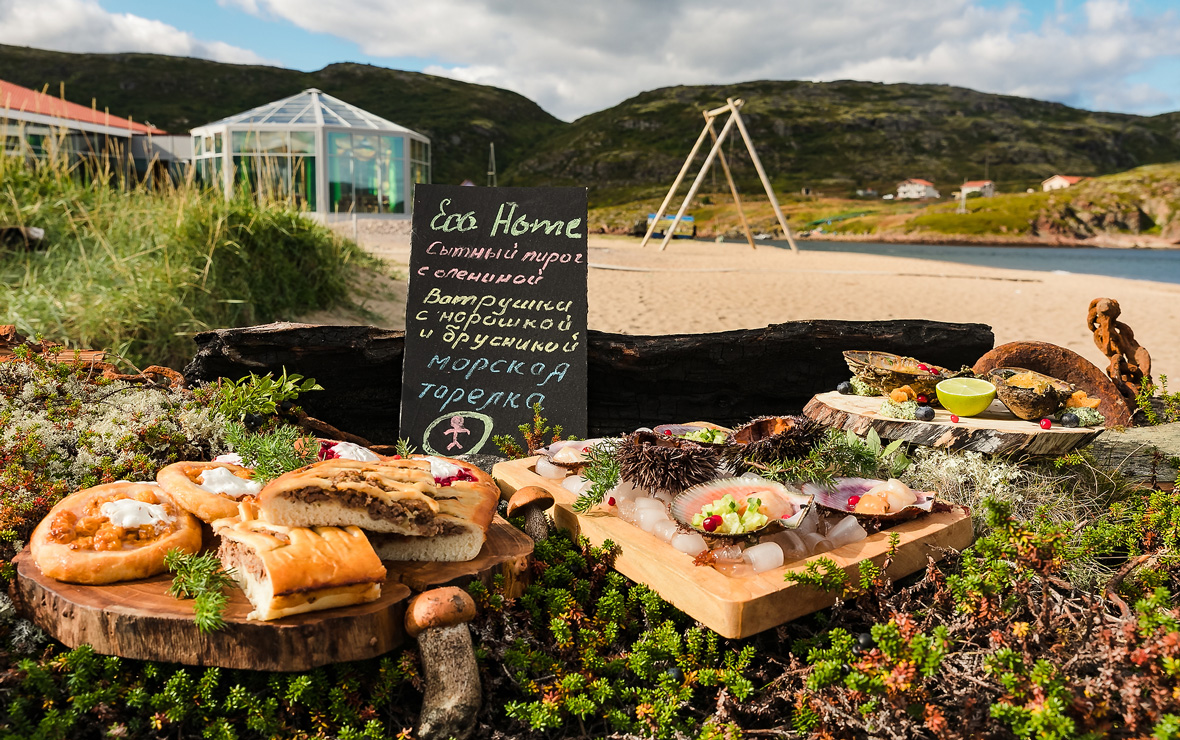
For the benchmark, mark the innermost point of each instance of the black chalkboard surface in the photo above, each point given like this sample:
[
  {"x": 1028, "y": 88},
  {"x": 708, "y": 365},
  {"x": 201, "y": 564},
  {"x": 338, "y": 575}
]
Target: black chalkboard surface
[{"x": 495, "y": 316}]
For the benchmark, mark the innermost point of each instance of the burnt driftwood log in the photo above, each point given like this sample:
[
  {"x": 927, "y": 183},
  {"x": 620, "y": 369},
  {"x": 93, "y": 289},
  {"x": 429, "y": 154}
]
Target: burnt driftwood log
[{"x": 724, "y": 377}]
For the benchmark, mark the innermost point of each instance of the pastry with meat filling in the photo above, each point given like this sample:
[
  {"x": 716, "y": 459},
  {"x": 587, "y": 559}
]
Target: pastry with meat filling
[
  {"x": 419, "y": 508},
  {"x": 292, "y": 570},
  {"x": 110, "y": 533}
]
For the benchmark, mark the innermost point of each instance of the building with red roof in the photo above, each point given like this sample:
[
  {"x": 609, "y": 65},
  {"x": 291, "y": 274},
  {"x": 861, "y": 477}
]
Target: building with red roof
[
  {"x": 35, "y": 124},
  {"x": 916, "y": 188},
  {"x": 1060, "y": 182},
  {"x": 985, "y": 188}
]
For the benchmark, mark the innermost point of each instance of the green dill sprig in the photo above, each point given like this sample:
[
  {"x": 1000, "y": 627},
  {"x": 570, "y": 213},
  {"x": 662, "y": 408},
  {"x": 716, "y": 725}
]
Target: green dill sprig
[
  {"x": 271, "y": 453},
  {"x": 202, "y": 579},
  {"x": 602, "y": 470}
]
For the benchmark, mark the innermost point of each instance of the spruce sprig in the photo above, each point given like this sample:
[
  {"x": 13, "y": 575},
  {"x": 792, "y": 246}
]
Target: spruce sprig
[
  {"x": 404, "y": 448},
  {"x": 271, "y": 453},
  {"x": 602, "y": 470},
  {"x": 202, "y": 579}
]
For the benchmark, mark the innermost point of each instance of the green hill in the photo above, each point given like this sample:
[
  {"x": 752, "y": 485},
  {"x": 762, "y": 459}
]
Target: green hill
[
  {"x": 839, "y": 136},
  {"x": 834, "y": 137},
  {"x": 178, "y": 93}
]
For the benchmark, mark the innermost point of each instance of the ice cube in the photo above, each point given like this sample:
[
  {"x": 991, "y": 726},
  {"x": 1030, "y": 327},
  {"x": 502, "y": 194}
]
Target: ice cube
[
  {"x": 576, "y": 484},
  {"x": 664, "y": 530},
  {"x": 764, "y": 556},
  {"x": 846, "y": 531},
  {"x": 691, "y": 543},
  {"x": 627, "y": 511},
  {"x": 646, "y": 519}
]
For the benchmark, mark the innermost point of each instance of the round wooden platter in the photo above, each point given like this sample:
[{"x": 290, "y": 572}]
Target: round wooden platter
[
  {"x": 997, "y": 431},
  {"x": 139, "y": 620}
]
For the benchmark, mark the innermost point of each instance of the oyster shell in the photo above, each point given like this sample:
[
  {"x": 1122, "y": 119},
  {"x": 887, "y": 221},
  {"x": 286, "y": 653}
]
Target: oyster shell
[
  {"x": 679, "y": 430},
  {"x": 780, "y": 503},
  {"x": 568, "y": 453},
  {"x": 837, "y": 499},
  {"x": 1045, "y": 398},
  {"x": 885, "y": 371}
]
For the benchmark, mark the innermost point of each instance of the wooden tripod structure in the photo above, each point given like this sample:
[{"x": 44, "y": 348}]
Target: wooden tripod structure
[{"x": 731, "y": 107}]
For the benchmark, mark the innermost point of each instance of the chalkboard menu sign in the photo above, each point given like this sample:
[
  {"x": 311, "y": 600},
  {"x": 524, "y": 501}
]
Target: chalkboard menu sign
[{"x": 495, "y": 316}]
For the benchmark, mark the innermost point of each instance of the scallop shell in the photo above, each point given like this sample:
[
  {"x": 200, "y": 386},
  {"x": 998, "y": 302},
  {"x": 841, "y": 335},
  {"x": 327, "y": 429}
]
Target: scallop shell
[
  {"x": 679, "y": 429},
  {"x": 689, "y": 503},
  {"x": 846, "y": 488},
  {"x": 578, "y": 446}
]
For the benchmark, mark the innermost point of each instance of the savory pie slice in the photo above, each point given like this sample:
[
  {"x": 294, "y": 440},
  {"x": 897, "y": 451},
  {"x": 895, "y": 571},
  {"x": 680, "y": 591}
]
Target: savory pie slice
[
  {"x": 292, "y": 570},
  {"x": 110, "y": 533},
  {"x": 419, "y": 508},
  {"x": 209, "y": 490}
]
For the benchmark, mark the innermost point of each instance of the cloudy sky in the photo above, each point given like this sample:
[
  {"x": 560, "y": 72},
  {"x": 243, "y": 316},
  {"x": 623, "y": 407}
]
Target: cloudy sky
[{"x": 576, "y": 57}]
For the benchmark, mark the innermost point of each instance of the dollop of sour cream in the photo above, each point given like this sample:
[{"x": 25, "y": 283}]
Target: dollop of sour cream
[
  {"x": 441, "y": 469},
  {"x": 129, "y": 513},
  {"x": 229, "y": 457},
  {"x": 223, "y": 481},
  {"x": 349, "y": 451}
]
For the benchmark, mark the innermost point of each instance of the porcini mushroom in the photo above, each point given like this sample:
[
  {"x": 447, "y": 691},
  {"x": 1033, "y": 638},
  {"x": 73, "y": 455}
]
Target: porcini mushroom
[
  {"x": 438, "y": 619},
  {"x": 532, "y": 502}
]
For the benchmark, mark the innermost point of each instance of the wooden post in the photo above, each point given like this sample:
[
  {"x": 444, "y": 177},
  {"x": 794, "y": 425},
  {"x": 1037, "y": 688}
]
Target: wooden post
[
  {"x": 696, "y": 184},
  {"x": 782, "y": 220},
  {"x": 672, "y": 191},
  {"x": 737, "y": 201}
]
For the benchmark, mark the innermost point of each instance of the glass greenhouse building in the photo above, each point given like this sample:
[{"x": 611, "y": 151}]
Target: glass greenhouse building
[{"x": 316, "y": 152}]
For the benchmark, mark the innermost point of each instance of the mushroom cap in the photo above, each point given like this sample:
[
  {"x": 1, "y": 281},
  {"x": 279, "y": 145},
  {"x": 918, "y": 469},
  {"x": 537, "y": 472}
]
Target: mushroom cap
[
  {"x": 529, "y": 496},
  {"x": 439, "y": 607}
]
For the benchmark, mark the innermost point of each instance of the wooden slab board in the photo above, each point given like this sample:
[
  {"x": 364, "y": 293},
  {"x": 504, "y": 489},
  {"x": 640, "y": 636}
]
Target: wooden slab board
[
  {"x": 997, "y": 431},
  {"x": 736, "y": 607},
  {"x": 139, "y": 620}
]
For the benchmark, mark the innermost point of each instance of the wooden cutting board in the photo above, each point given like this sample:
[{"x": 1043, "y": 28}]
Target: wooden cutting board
[
  {"x": 140, "y": 620},
  {"x": 997, "y": 431},
  {"x": 737, "y": 607}
]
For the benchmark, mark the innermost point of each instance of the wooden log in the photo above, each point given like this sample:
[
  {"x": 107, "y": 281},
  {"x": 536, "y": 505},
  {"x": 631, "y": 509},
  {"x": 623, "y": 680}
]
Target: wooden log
[
  {"x": 724, "y": 377},
  {"x": 997, "y": 431}
]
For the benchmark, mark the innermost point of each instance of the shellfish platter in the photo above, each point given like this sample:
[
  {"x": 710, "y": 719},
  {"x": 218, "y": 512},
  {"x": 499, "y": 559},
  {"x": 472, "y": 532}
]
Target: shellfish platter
[
  {"x": 995, "y": 431},
  {"x": 733, "y": 596}
]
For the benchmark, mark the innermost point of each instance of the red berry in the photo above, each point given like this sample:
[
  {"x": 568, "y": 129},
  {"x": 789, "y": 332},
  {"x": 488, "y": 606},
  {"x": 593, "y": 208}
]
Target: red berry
[
  {"x": 923, "y": 368},
  {"x": 934, "y": 371},
  {"x": 711, "y": 523},
  {"x": 853, "y": 501},
  {"x": 667, "y": 432},
  {"x": 954, "y": 419},
  {"x": 923, "y": 400},
  {"x": 610, "y": 501},
  {"x": 1046, "y": 424}
]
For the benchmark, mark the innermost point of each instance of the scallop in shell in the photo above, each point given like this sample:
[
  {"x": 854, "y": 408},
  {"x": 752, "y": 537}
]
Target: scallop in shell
[
  {"x": 893, "y": 501},
  {"x": 780, "y": 503},
  {"x": 569, "y": 454},
  {"x": 679, "y": 430}
]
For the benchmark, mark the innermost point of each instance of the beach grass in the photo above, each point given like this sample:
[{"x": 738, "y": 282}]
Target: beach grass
[{"x": 139, "y": 270}]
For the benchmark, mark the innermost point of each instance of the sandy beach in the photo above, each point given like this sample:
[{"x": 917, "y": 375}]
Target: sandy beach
[{"x": 697, "y": 287}]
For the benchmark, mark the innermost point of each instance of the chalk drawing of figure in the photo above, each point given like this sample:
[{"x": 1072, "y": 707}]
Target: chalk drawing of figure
[{"x": 456, "y": 429}]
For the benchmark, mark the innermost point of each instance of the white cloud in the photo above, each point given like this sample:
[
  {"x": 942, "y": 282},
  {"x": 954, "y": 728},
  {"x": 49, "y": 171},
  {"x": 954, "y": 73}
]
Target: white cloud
[
  {"x": 575, "y": 58},
  {"x": 84, "y": 26}
]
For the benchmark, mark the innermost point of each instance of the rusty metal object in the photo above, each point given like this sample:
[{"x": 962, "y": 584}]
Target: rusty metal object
[
  {"x": 1062, "y": 364},
  {"x": 1129, "y": 362}
]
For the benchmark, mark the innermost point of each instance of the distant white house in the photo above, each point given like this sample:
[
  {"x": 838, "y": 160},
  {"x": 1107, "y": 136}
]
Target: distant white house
[
  {"x": 1060, "y": 182},
  {"x": 915, "y": 188},
  {"x": 985, "y": 188}
]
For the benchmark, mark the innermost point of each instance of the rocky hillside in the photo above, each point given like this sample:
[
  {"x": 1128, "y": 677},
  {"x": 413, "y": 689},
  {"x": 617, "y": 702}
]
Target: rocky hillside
[
  {"x": 178, "y": 93},
  {"x": 833, "y": 137},
  {"x": 839, "y": 136}
]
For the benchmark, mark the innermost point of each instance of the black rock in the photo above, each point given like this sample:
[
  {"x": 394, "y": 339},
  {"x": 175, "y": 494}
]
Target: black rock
[{"x": 845, "y": 388}]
